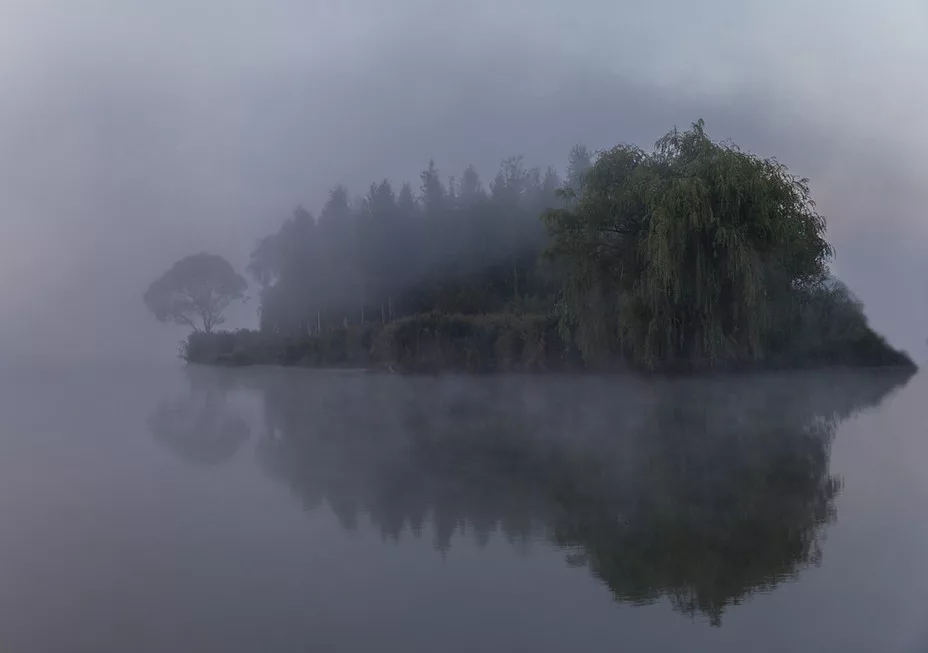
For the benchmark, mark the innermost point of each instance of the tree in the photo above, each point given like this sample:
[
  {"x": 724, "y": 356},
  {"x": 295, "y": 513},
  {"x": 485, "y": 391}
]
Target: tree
[
  {"x": 682, "y": 256},
  {"x": 406, "y": 200},
  {"x": 274, "y": 252},
  {"x": 470, "y": 189},
  {"x": 196, "y": 290},
  {"x": 579, "y": 161},
  {"x": 453, "y": 246},
  {"x": 433, "y": 192}
]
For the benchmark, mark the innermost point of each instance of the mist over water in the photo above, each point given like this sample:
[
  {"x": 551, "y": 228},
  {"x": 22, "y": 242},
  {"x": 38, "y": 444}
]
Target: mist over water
[
  {"x": 227, "y": 511},
  {"x": 147, "y": 507}
]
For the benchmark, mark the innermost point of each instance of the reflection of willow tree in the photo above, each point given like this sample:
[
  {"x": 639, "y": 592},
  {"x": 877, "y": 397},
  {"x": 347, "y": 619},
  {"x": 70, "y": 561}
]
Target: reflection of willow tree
[
  {"x": 703, "y": 492},
  {"x": 714, "y": 508},
  {"x": 199, "y": 426}
]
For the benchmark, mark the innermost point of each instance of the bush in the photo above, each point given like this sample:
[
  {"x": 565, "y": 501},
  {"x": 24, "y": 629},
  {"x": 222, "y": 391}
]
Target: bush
[
  {"x": 337, "y": 348},
  {"x": 234, "y": 348},
  {"x": 434, "y": 342},
  {"x": 826, "y": 326},
  {"x": 826, "y": 331},
  {"x": 430, "y": 342}
]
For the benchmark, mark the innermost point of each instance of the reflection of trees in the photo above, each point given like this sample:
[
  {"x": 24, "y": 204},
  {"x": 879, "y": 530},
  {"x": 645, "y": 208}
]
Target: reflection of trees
[
  {"x": 199, "y": 426},
  {"x": 703, "y": 492}
]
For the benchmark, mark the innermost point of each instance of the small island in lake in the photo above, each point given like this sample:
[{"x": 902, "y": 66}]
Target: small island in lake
[{"x": 694, "y": 256}]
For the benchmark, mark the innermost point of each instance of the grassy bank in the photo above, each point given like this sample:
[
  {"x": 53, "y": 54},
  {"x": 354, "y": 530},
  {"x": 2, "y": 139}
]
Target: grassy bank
[
  {"x": 429, "y": 342},
  {"x": 434, "y": 342}
]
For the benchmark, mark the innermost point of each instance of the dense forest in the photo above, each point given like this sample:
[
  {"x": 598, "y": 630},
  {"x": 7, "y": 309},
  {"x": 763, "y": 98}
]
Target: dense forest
[
  {"x": 694, "y": 255},
  {"x": 454, "y": 247}
]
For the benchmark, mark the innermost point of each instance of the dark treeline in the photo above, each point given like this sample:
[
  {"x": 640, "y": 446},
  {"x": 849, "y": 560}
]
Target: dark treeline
[
  {"x": 455, "y": 245},
  {"x": 702, "y": 492},
  {"x": 695, "y": 255}
]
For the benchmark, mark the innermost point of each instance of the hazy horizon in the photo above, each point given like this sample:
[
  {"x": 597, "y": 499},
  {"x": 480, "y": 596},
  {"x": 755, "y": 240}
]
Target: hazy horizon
[{"x": 132, "y": 134}]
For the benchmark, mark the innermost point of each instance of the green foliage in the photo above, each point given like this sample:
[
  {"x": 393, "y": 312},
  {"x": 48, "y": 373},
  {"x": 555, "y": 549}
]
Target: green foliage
[
  {"x": 473, "y": 343},
  {"x": 230, "y": 348},
  {"x": 429, "y": 342},
  {"x": 698, "y": 255},
  {"x": 693, "y": 256},
  {"x": 825, "y": 325},
  {"x": 195, "y": 292},
  {"x": 349, "y": 347}
]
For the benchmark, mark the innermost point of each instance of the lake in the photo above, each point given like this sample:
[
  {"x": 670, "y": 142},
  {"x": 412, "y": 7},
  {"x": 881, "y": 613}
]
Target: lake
[{"x": 161, "y": 508}]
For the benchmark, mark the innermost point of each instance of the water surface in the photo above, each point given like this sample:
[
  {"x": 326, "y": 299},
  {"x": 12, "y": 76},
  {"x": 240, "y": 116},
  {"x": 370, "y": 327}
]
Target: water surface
[{"x": 171, "y": 509}]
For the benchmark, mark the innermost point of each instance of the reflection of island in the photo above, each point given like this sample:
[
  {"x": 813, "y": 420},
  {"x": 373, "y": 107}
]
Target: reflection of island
[
  {"x": 699, "y": 491},
  {"x": 199, "y": 426}
]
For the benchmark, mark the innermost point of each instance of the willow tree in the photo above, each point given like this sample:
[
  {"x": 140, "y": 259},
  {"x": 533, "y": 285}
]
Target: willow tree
[{"x": 679, "y": 256}]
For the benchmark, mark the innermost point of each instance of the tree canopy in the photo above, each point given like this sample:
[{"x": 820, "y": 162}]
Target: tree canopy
[
  {"x": 453, "y": 247},
  {"x": 689, "y": 255},
  {"x": 195, "y": 292},
  {"x": 692, "y": 255}
]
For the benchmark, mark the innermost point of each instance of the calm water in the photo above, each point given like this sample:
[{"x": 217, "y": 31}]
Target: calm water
[{"x": 173, "y": 510}]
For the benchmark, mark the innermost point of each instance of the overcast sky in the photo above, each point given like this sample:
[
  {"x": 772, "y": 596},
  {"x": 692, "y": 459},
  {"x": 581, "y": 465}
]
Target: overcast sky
[{"x": 133, "y": 132}]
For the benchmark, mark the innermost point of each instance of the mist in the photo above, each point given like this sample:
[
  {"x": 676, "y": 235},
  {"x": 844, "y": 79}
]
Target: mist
[
  {"x": 275, "y": 508},
  {"x": 133, "y": 134}
]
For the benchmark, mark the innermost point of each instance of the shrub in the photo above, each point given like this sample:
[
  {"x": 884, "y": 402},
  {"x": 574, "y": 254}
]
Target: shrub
[{"x": 433, "y": 342}]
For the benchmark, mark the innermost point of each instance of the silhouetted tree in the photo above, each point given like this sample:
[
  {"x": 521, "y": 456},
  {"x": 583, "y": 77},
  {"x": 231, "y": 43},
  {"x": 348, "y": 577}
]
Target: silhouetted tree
[
  {"x": 433, "y": 192},
  {"x": 453, "y": 248},
  {"x": 578, "y": 162},
  {"x": 195, "y": 290},
  {"x": 471, "y": 190}
]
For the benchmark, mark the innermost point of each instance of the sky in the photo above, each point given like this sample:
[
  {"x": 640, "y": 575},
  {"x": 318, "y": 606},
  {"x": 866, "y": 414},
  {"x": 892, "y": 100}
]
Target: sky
[{"x": 134, "y": 132}]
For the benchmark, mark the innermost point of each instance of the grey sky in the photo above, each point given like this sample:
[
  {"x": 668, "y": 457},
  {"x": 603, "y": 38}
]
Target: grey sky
[{"x": 133, "y": 132}]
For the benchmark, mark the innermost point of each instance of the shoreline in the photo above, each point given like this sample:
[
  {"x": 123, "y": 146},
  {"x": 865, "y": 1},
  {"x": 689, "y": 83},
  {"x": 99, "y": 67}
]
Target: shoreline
[
  {"x": 625, "y": 371},
  {"x": 436, "y": 343}
]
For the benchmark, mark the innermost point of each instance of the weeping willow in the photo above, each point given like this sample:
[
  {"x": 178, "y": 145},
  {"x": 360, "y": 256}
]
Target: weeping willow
[{"x": 680, "y": 257}]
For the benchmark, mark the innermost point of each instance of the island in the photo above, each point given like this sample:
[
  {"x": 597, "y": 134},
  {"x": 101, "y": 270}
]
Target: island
[{"x": 692, "y": 256}]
